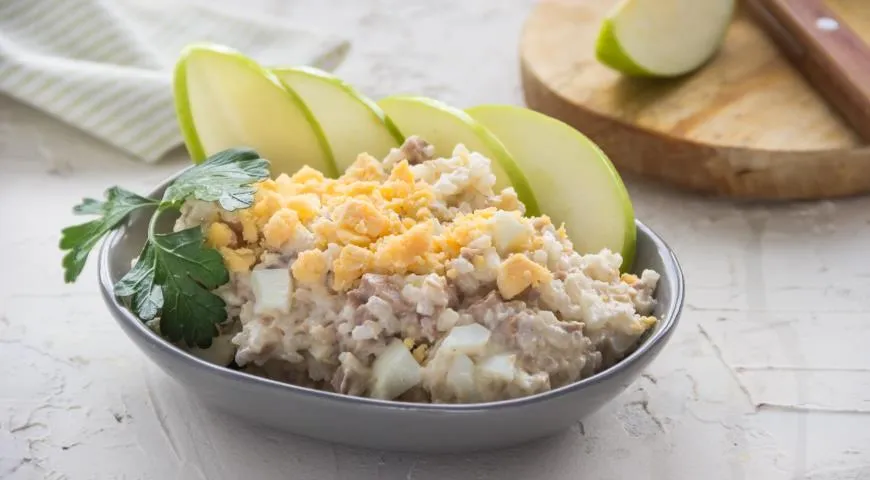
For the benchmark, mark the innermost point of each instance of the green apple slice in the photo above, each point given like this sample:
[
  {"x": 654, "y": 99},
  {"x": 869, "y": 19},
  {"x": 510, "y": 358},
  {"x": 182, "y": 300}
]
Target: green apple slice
[
  {"x": 662, "y": 38},
  {"x": 573, "y": 179},
  {"x": 353, "y": 123},
  {"x": 444, "y": 127},
  {"x": 224, "y": 99}
]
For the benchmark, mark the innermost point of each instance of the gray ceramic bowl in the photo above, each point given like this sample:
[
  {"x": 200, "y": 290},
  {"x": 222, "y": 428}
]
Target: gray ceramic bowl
[{"x": 393, "y": 425}]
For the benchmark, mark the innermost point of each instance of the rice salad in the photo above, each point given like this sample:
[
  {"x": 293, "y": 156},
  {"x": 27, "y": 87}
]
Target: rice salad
[{"x": 410, "y": 279}]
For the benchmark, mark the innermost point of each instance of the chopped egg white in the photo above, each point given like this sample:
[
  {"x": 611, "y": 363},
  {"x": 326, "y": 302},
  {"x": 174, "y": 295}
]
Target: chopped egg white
[
  {"x": 498, "y": 367},
  {"x": 460, "y": 377},
  {"x": 394, "y": 372},
  {"x": 272, "y": 290},
  {"x": 467, "y": 339},
  {"x": 509, "y": 232}
]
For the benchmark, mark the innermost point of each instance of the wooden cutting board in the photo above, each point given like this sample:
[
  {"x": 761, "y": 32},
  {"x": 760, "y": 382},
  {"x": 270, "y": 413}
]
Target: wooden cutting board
[{"x": 746, "y": 125}]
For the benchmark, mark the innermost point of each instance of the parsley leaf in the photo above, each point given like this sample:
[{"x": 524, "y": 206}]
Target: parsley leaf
[
  {"x": 138, "y": 288},
  {"x": 225, "y": 177},
  {"x": 175, "y": 274},
  {"x": 80, "y": 239},
  {"x": 89, "y": 206}
]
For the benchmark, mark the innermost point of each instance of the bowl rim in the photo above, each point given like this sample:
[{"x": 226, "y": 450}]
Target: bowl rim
[{"x": 135, "y": 326}]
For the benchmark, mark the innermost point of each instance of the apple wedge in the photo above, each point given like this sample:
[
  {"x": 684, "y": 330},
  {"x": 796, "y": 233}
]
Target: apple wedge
[
  {"x": 224, "y": 99},
  {"x": 662, "y": 38},
  {"x": 573, "y": 179},
  {"x": 353, "y": 124},
  {"x": 444, "y": 127}
]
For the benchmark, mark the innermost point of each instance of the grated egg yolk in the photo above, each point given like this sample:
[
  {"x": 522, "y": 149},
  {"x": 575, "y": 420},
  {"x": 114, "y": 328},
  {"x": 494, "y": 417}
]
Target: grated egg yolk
[
  {"x": 361, "y": 217},
  {"x": 517, "y": 273},
  {"x": 351, "y": 263},
  {"x": 400, "y": 253},
  {"x": 365, "y": 168},
  {"x": 310, "y": 267},
  {"x": 281, "y": 228},
  {"x": 238, "y": 260},
  {"x": 220, "y": 235},
  {"x": 382, "y": 222}
]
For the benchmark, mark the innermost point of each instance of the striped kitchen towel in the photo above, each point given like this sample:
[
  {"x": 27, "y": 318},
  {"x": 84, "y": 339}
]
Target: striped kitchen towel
[{"x": 105, "y": 66}]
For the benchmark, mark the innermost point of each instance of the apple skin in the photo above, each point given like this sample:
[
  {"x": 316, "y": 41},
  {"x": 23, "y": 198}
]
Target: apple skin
[
  {"x": 285, "y": 74},
  {"x": 184, "y": 114},
  {"x": 512, "y": 174},
  {"x": 376, "y": 110},
  {"x": 609, "y": 52},
  {"x": 563, "y": 185},
  {"x": 182, "y": 106}
]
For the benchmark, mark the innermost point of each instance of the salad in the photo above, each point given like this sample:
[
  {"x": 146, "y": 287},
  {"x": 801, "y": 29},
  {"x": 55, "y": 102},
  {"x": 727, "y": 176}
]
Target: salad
[{"x": 434, "y": 273}]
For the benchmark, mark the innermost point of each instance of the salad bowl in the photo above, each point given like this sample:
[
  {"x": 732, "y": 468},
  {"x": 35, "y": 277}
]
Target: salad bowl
[{"x": 393, "y": 425}]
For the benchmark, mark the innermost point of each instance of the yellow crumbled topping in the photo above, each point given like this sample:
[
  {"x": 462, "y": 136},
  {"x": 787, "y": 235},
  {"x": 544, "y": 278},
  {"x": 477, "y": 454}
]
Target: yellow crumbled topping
[
  {"x": 307, "y": 175},
  {"x": 250, "y": 230},
  {"x": 628, "y": 278},
  {"x": 517, "y": 273},
  {"x": 365, "y": 168},
  {"x": 310, "y": 267},
  {"x": 266, "y": 203},
  {"x": 405, "y": 252},
  {"x": 351, "y": 263},
  {"x": 284, "y": 185},
  {"x": 361, "y": 217},
  {"x": 644, "y": 324},
  {"x": 354, "y": 189},
  {"x": 402, "y": 173},
  {"x": 325, "y": 232},
  {"x": 382, "y": 221},
  {"x": 220, "y": 235},
  {"x": 464, "y": 229},
  {"x": 419, "y": 353},
  {"x": 280, "y": 228},
  {"x": 348, "y": 237},
  {"x": 306, "y": 205},
  {"x": 238, "y": 260},
  {"x": 508, "y": 201}
]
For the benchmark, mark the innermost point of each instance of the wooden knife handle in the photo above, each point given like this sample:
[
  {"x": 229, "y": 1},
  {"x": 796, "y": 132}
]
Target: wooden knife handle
[{"x": 829, "y": 54}]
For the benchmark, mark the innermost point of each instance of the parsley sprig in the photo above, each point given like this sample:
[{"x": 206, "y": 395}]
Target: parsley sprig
[{"x": 175, "y": 272}]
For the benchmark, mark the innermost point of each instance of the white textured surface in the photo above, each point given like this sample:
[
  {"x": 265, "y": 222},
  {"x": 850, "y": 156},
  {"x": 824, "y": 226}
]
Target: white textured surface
[{"x": 768, "y": 376}]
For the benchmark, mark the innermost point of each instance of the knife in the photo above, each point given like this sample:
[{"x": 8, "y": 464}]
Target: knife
[{"x": 826, "y": 51}]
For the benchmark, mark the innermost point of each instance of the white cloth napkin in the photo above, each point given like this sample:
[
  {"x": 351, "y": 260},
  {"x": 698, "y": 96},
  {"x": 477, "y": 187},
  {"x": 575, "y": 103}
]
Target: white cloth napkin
[{"x": 106, "y": 66}]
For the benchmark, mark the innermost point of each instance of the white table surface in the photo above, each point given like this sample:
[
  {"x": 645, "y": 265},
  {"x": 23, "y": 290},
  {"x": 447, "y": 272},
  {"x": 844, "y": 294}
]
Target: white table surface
[{"x": 767, "y": 377}]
